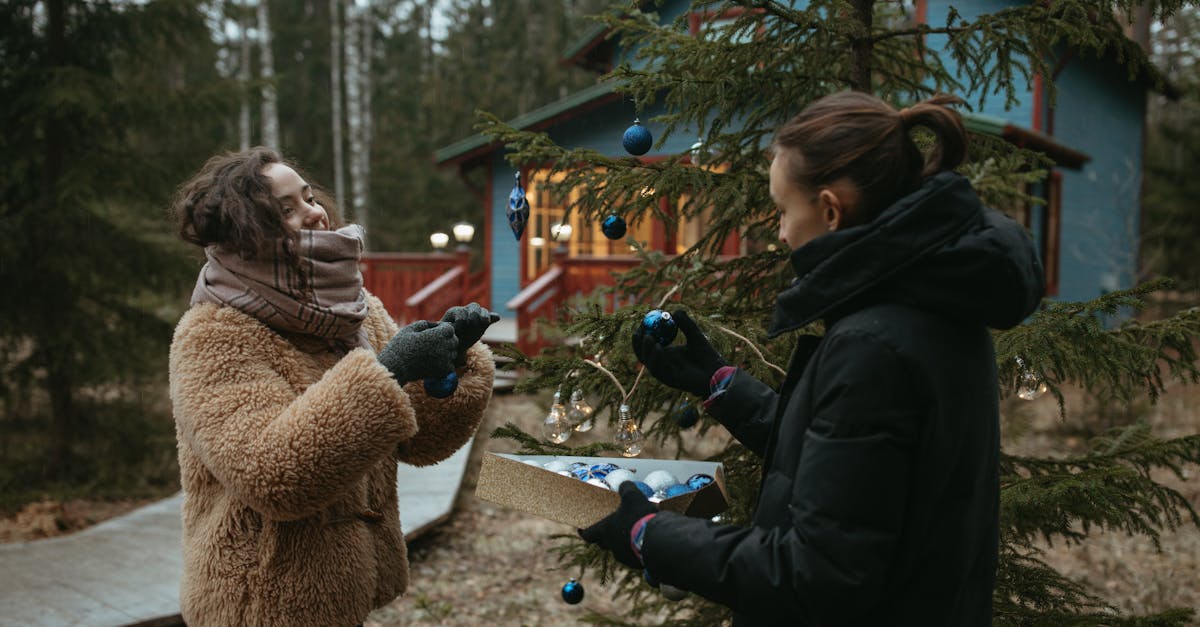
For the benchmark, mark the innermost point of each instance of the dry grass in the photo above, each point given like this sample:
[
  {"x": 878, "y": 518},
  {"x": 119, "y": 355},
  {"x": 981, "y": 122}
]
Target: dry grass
[
  {"x": 1128, "y": 571},
  {"x": 490, "y": 565},
  {"x": 493, "y": 566}
]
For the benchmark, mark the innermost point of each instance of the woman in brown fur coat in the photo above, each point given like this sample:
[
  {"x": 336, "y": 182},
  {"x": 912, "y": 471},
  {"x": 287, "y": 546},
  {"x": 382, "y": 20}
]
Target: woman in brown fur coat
[{"x": 294, "y": 397}]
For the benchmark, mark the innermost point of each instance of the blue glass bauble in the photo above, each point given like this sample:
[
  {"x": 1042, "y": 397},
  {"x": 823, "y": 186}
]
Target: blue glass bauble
[
  {"x": 659, "y": 325},
  {"x": 518, "y": 208},
  {"x": 441, "y": 387},
  {"x": 572, "y": 592},
  {"x": 637, "y": 139},
  {"x": 687, "y": 417},
  {"x": 676, "y": 490},
  {"x": 698, "y": 481},
  {"x": 600, "y": 471},
  {"x": 613, "y": 227},
  {"x": 646, "y": 489}
]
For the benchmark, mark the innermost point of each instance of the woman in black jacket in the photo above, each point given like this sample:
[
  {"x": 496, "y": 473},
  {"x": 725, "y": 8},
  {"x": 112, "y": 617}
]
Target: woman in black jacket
[{"x": 880, "y": 489}]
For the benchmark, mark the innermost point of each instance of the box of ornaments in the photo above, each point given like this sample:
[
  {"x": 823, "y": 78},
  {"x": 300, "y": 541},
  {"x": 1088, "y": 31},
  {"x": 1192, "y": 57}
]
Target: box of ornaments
[{"x": 579, "y": 491}]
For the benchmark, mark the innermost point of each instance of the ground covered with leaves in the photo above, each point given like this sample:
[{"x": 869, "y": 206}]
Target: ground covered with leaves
[{"x": 496, "y": 566}]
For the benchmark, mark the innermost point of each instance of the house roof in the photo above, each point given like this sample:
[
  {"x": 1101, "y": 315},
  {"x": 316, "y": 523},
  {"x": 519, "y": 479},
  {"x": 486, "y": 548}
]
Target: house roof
[
  {"x": 575, "y": 104},
  {"x": 578, "y": 103},
  {"x": 1062, "y": 154},
  {"x": 578, "y": 50}
]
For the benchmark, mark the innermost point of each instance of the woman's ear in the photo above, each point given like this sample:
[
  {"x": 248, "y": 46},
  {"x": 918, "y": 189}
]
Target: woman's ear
[{"x": 831, "y": 208}]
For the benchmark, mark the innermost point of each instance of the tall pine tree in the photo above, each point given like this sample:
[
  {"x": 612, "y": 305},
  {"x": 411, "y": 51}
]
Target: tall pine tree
[
  {"x": 93, "y": 94},
  {"x": 736, "y": 85}
]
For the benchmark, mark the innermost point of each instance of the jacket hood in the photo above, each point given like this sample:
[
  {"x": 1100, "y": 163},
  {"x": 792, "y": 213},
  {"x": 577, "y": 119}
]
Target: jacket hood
[{"x": 937, "y": 249}]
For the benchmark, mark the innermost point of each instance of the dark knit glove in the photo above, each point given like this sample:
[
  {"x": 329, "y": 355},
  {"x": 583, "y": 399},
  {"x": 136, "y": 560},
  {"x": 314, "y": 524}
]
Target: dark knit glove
[
  {"x": 688, "y": 367},
  {"x": 612, "y": 532},
  {"x": 420, "y": 350},
  {"x": 469, "y": 322}
]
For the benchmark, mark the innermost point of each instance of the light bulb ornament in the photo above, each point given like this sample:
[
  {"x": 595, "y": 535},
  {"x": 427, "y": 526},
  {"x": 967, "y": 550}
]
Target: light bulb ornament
[
  {"x": 556, "y": 428},
  {"x": 1030, "y": 385},
  {"x": 579, "y": 412}
]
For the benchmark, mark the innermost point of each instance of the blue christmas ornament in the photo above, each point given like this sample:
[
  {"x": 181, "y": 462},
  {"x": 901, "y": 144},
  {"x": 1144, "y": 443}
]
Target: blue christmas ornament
[
  {"x": 613, "y": 227},
  {"x": 676, "y": 490},
  {"x": 637, "y": 140},
  {"x": 572, "y": 592},
  {"x": 443, "y": 386},
  {"x": 600, "y": 471},
  {"x": 659, "y": 325},
  {"x": 687, "y": 417},
  {"x": 518, "y": 208},
  {"x": 645, "y": 489},
  {"x": 698, "y": 481}
]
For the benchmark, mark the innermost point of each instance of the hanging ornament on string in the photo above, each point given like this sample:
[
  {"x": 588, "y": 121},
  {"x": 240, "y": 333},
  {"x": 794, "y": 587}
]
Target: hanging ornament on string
[
  {"x": 518, "y": 208},
  {"x": 637, "y": 139},
  {"x": 629, "y": 434},
  {"x": 659, "y": 325},
  {"x": 441, "y": 387},
  {"x": 688, "y": 416},
  {"x": 572, "y": 592},
  {"x": 556, "y": 428},
  {"x": 579, "y": 413},
  {"x": 613, "y": 227},
  {"x": 1030, "y": 385}
]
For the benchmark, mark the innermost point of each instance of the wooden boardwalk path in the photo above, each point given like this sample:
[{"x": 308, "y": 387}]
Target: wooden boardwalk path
[{"x": 125, "y": 571}]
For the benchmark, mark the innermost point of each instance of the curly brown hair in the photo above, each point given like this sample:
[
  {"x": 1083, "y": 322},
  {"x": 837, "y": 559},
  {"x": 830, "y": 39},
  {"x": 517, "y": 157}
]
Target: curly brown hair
[{"x": 228, "y": 203}]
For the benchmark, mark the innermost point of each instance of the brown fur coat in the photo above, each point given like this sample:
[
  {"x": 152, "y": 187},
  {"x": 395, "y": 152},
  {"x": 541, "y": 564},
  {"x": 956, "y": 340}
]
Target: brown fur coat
[{"x": 288, "y": 465}]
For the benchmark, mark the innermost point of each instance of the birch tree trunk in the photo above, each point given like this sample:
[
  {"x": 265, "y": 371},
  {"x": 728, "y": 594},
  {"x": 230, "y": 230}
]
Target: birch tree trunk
[
  {"x": 335, "y": 79},
  {"x": 244, "y": 81},
  {"x": 366, "y": 16},
  {"x": 354, "y": 113},
  {"x": 270, "y": 115}
]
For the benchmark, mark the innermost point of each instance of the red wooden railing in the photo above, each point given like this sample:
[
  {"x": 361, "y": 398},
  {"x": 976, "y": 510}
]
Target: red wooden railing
[
  {"x": 539, "y": 305},
  {"x": 421, "y": 286}
]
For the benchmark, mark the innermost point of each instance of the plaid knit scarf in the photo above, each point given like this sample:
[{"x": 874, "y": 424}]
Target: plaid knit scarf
[{"x": 269, "y": 290}]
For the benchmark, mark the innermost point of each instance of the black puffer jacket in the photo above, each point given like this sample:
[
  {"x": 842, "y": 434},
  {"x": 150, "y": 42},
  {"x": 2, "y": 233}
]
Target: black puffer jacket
[{"x": 880, "y": 491}]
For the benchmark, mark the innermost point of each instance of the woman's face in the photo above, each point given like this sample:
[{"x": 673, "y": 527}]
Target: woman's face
[
  {"x": 800, "y": 217},
  {"x": 300, "y": 208}
]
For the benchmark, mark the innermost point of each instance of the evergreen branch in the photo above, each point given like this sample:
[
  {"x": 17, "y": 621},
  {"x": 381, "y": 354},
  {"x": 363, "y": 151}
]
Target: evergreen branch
[
  {"x": 1072, "y": 342},
  {"x": 1110, "y": 487}
]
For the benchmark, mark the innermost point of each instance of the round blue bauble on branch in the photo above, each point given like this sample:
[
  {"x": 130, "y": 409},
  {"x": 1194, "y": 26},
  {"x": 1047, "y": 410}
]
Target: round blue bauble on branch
[
  {"x": 441, "y": 387},
  {"x": 659, "y": 325},
  {"x": 613, "y": 227},
  {"x": 637, "y": 139},
  {"x": 687, "y": 417},
  {"x": 572, "y": 592}
]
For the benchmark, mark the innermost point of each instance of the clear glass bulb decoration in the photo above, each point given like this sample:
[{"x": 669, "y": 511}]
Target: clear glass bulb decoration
[
  {"x": 579, "y": 413},
  {"x": 629, "y": 435},
  {"x": 1031, "y": 386},
  {"x": 556, "y": 427}
]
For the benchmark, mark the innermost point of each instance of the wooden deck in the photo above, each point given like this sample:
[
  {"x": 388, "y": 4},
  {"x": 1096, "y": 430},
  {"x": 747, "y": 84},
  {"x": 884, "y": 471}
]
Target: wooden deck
[{"x": 126, "y": 571}]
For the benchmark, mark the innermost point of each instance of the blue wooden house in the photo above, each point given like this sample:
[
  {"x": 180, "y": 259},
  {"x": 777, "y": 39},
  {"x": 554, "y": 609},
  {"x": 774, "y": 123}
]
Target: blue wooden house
[{"x": 1087, "y": 230}]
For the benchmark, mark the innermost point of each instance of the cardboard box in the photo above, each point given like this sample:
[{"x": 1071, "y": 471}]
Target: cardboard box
[{"x": 505, "y": 479}]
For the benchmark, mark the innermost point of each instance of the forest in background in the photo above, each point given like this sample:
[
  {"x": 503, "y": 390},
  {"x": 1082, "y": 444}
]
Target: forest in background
[{"x": 108, "y": 106}]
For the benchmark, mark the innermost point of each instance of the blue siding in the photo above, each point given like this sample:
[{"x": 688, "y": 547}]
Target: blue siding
[{"x": 1100, "y": 113}]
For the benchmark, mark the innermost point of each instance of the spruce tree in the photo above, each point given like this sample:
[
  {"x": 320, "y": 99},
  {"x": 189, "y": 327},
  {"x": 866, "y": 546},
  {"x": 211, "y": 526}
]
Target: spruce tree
[
  {"x": 736, "y": 84},
  {"x": 93, "y": 145}
]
